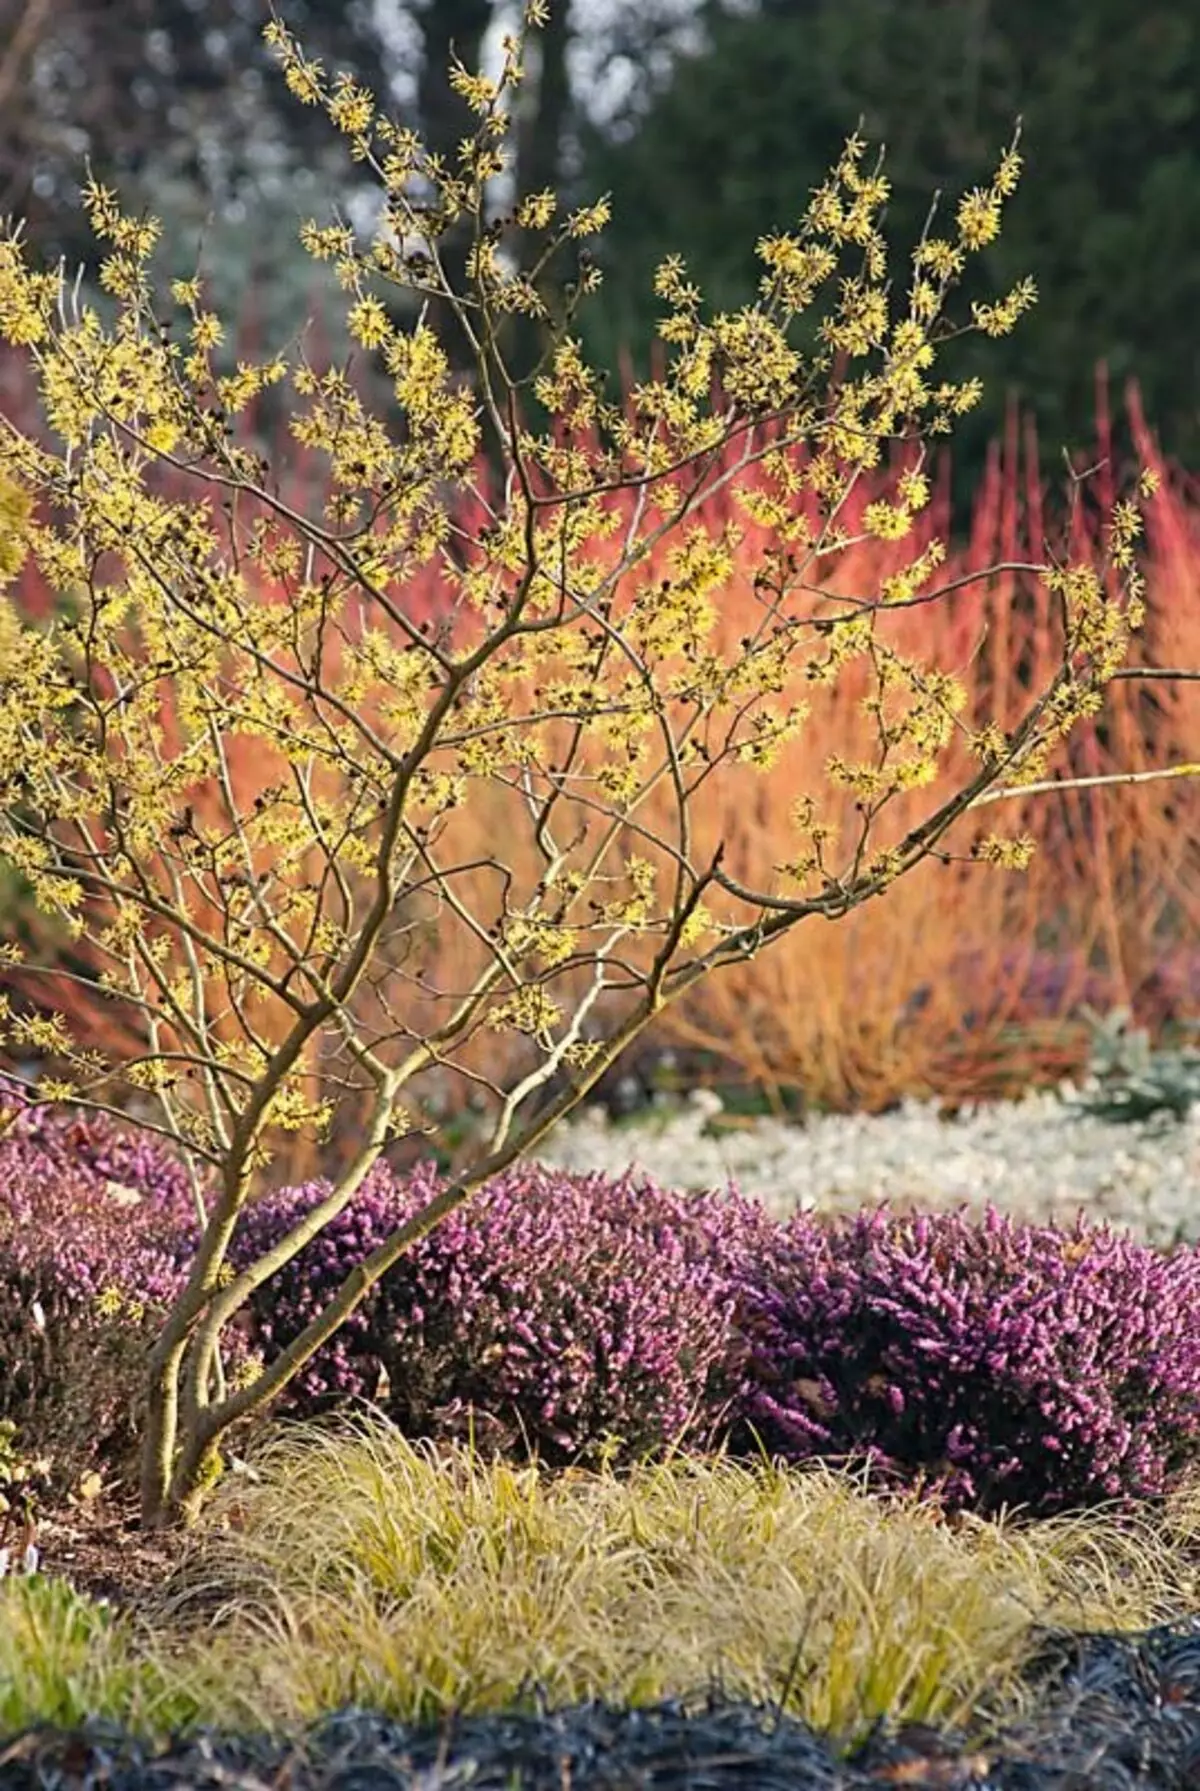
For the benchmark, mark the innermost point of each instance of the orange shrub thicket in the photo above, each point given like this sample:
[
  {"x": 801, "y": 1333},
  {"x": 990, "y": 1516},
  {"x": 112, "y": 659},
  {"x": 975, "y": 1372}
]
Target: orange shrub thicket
[
  {"x": 861, "y": 1013},
  {"x": 1113, "y": 891}
]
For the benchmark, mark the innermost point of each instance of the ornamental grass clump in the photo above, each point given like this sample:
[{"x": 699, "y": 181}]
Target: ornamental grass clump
[
  {"x": 997, "y": 1363},
  {"x": 575, "y": 1317}
]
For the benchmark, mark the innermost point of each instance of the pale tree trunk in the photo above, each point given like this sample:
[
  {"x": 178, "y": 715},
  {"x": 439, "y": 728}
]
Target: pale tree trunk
[{"x": 182, "y": 1428}]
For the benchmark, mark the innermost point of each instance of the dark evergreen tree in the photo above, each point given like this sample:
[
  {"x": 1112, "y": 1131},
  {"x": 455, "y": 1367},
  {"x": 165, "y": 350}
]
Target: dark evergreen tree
[{"x": 1107, "y": 222}]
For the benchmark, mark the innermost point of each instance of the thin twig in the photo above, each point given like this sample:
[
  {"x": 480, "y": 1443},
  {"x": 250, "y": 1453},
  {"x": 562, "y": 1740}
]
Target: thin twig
[{"x": 1053, "y": 784}]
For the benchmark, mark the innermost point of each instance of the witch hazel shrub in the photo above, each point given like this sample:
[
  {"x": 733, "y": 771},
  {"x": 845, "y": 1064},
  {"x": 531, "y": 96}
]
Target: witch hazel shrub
[
  {"x": 95, "y": 1235},
  {"x": 566, "y": 1315},
  {"x": 1000, "y": 1363}
]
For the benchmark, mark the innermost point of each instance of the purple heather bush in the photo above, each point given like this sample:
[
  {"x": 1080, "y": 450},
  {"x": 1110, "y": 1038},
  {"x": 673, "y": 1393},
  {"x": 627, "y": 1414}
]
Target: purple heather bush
[
  {"x": 95, "y": 1233},
  {"x": 994, "y": 1363},
  {"x": 554, "y": 1313},
  {"x": 998, "y": 1363}
]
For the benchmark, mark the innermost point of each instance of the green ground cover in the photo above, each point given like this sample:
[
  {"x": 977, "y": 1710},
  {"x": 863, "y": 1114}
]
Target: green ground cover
[{"x": 347, "y": 1565}]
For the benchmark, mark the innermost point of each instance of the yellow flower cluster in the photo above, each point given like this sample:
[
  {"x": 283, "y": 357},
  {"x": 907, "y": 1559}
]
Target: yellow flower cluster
[{"x": 242, "y": 758}]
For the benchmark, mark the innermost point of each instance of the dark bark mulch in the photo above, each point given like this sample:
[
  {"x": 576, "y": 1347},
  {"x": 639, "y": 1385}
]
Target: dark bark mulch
[{"x": 1118, "y": 1713}]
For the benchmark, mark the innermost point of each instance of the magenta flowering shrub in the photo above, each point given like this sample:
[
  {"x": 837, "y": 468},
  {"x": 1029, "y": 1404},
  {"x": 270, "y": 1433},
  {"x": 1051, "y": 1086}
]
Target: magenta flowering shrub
[
  {"x": 131, "y": 1161},
  {"x": 992, "y": 1362},
  {"x": 1001, "y": 1363},
  {"x": 553, "y": 1313},
  {"x": 347, "y": 1367},
  {"x": 95, "y": 1233}
]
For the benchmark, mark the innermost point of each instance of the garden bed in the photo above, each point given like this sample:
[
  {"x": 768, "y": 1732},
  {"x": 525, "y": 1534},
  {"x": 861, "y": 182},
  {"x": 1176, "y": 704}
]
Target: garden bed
[
  {"x": 1115, "y": 1711},
  {"x": 641, "y": 1605},
  {"x": 1121, "y": 1713}
]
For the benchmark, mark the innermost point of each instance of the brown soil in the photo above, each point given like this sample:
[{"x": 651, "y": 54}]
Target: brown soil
[{"x": 99, "y": 1547}]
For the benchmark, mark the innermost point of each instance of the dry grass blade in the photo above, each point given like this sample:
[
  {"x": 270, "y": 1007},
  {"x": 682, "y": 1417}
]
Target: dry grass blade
[{"x": 359, "y": 1568}]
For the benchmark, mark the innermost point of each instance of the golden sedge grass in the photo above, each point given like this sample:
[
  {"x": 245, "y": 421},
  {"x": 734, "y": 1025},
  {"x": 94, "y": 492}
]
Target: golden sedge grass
[{"x": 352, "y": 1566}]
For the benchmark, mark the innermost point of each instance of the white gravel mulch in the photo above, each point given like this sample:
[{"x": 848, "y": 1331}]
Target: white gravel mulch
[{"x": 1037, "y": 1158}]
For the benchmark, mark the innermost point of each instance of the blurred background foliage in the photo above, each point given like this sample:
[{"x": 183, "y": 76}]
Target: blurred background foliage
[
  {"x": 709, "y": 120},
  {"x": 716, "y": 150}
]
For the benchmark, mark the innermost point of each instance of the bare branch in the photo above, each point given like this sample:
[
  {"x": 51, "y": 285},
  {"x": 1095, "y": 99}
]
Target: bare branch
[{"x": 1051, "y": 786}]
